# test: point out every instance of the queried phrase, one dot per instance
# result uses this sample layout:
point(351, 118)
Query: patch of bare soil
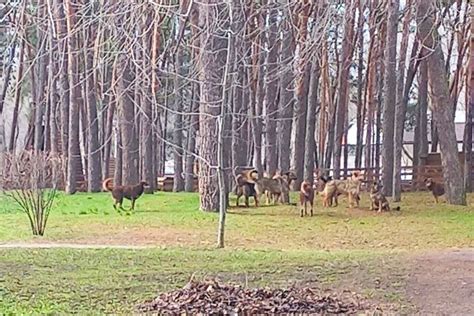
point(442, 283)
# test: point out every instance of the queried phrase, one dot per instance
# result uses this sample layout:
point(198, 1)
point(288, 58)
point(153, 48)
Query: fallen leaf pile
point(212, 297)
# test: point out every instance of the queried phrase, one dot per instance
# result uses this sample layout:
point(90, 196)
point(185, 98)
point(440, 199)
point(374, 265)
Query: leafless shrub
point(30, 179)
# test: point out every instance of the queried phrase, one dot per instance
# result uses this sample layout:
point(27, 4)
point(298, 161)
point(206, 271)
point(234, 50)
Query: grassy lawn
point(171, 220)
point(114, 281)
point(338, 248)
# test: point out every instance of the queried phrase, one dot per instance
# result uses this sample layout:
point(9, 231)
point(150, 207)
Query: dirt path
point(442, 283)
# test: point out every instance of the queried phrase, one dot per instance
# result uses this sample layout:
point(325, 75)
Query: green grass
point(114, 281)
point(339, 248)
point(169, 220)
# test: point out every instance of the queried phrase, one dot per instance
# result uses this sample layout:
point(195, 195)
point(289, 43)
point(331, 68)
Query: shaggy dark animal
point(436, 188)
point(245, 185)
point(129, 192)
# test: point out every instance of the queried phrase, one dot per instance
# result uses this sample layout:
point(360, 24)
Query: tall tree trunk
point(17, 98)
point(178, 152)
point(401, 105)
point(423, 104)
point(371, 105)
point(178, 183)
point(343, 91)
point(286, 98)
point(420, 141)
point(194, 119)
point(63, 67)
point(469, 113)
point(326, 137)
point(191, 145)
point(434, 136)
point(390, 95)
point(301, 93)
point(94, 171)
point(83, 128)
point(74, 156)
point(211, 63)
point(108, 134)
point(53, 103)
point(360, 86)
point(149, 168)
point(313, 103)
point(40, 100)
point(378, 122)
point(7, 74)
point(441, 104)
point(127, 124)
point(240, 119)
point(259, 56)
point(271, 90)
point(118, 174)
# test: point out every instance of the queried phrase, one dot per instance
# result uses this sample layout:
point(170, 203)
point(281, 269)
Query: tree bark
point(108, 130)
point(371, 105)
point(118, 175)
point(194, 119)
point(301, 94)
point(258, 60)
point(271, 90)
point(149, 168)
point(420, 141)
point(94, 170)
point(211, 64)
point(40, 100)
point(423, 103)
point(178, 183)
point(403, 86)
point(441, 104)
point(63, 76)
point(127, 124)
point(469, 113)
point(7, 74)
point(327, 112)
point(343, 91)
point(360, 86)
point(286, 103)
point(240, 120)
point(313, 104)
point(390, 96)
point(17, 98)
point(73, 132)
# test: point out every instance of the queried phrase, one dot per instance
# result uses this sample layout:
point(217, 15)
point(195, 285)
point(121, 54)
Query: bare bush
point(30, 179)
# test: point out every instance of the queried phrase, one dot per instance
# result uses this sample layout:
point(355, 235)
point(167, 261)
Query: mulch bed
point(212, 297)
